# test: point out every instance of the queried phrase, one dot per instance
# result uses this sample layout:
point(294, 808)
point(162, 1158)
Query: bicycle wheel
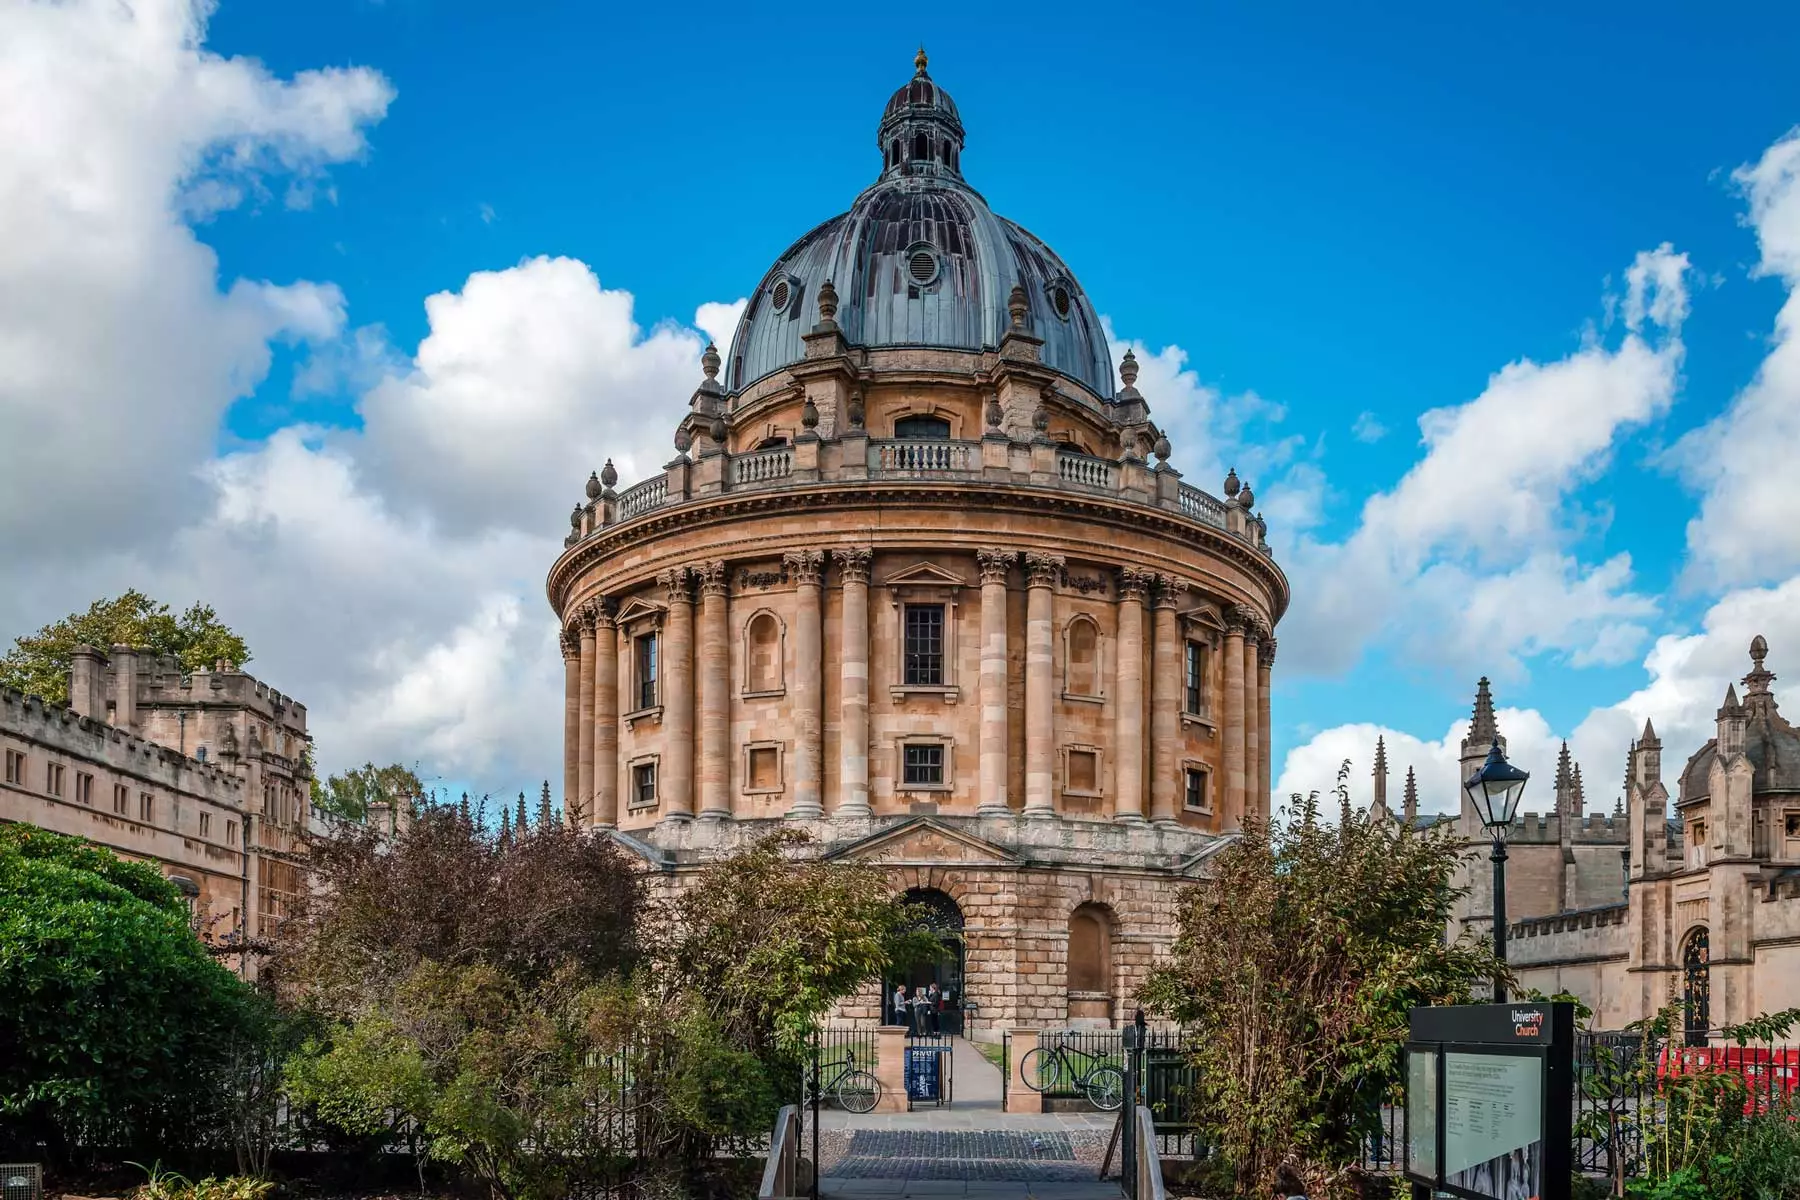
point(1105, 1088)
point(859, 1092)
point(1041, 1071)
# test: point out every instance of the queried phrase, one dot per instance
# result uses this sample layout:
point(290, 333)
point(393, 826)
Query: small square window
point(643, 785)
point(1793, 825)
point(923, 764)
point(1196, 797)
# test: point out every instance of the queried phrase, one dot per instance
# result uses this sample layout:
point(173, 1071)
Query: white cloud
point(1745, 531)
point(119, 353)
point(1368, 428)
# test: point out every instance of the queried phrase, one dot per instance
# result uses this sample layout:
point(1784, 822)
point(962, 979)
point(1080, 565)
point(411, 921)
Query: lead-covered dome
point(920, 260)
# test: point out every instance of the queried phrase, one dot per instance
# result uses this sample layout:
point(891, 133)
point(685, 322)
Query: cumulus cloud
point(119, 350)
point(1745, 531)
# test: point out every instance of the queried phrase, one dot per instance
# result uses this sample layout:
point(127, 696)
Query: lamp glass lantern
point(1494, 791)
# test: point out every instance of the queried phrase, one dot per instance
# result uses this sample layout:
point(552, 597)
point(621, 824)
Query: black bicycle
point(1057, 1067)
point(856, 1091)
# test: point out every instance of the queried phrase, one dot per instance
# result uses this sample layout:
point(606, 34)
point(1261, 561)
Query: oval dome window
point(922, 265)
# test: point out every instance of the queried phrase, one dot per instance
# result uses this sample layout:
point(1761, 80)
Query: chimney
point(87, 682)
point(125, 687)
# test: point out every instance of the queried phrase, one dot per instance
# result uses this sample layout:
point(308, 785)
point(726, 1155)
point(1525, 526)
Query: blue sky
point(1343, 219)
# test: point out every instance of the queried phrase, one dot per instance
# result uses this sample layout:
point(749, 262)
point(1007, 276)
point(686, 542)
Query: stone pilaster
point(571, 653)
point(677, 771)
point(994, 564)
point(713, 663)
point(1128, 702)
point(603, 810)
point(1040, 725)
point(1165, 702)
point(1236, 626)
point(584, 754)
point(807, 567)
point(853, 692)
point(1253, 736)
point(1265, 665)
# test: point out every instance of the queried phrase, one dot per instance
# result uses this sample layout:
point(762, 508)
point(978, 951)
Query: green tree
point(110, 1008)
point(1293, 972)
point(38, 663)
point(353, 793)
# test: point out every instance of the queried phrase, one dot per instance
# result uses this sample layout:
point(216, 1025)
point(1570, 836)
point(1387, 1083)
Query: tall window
point(15, 767)
point(646, 671)
point(53, 778)
point(928, 428)
point(84, 788)
point(922, 764)
point(924, 645)
point(1696, 998)
point(1193, 676)
point(146, 808)
point(1196, 790)
point(121, 799)
point(205, 825)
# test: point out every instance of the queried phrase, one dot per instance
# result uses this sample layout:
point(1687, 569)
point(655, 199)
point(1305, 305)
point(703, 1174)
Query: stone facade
point(931, 602)
point(201, 774)
point(1648, 906)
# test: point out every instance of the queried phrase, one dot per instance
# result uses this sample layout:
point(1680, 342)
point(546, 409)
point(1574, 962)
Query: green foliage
point(110, 1008)
point(1294, 970)
point(38, 663)
point(352, 794)
point(167, 1185)
point(717, 1088)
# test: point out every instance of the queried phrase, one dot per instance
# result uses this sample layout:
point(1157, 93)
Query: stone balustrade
point(861, 461)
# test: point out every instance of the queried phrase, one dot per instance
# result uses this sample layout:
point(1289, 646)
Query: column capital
point(1134, 584)
point(994, 563)
point(1266, 652)
point(595, 615)
point(713, 579)
point(1240, 621)
point(854, 562)
point(1169, 590)
point(808, 566)
point(676, 582)
point(1042, 569)
point(570, 640)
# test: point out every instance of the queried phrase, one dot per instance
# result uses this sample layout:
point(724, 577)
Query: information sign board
point(1488, 1096)
point(922, 1077)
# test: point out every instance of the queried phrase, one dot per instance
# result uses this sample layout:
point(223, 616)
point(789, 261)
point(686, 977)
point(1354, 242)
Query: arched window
point(1090, 950)
point(1083, 658)
point(763, 658)
point(922, 148)
point(1696, 988)
point(933, 428)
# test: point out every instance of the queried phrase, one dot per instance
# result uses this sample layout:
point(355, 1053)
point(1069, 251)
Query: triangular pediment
point(924, 574)
point(1207, 618)
point(924, 840)
point(638, 609)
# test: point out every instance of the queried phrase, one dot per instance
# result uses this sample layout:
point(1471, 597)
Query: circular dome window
point(782, 294)
point(922, 265)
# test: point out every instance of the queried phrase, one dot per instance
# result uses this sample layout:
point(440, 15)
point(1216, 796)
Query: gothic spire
point(1565, 776)
point(1482, 729)
point(1580, 806)
point(1379, 806)
point(1412, 797)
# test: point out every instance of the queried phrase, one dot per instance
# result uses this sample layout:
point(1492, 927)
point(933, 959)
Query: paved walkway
point(969, 1149)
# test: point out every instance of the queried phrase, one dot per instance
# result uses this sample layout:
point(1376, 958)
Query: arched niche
point(1081, 657)
point(765, 642)
point(1090, 965)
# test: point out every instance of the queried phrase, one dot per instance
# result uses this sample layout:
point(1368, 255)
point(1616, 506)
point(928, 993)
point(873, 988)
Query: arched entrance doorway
point(1696, 988)
point(944, 920)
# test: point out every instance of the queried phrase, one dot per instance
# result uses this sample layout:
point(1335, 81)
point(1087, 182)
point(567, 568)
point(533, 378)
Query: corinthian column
point(1040, 728)
point(994, 565)
point(807, 567)
point(571, 652)
point(853, 691)
point(603, 809)
point(1236, 625)
point(584, 755)
point(1165, 702)
point(1253, 735)
point(1265, 663)
point(677, 782)
point(1128, 703)
point(714, 661)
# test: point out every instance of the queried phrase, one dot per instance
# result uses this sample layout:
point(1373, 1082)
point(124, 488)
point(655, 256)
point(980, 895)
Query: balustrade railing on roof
point(924, 456)
point(1084, 469)
point(1200, 506)
point(642, 497)
point(761, 466)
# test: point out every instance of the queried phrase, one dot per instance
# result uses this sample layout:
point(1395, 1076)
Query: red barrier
point(1767, 1073)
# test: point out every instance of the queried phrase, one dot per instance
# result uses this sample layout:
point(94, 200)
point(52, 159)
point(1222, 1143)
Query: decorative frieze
point(761, 579)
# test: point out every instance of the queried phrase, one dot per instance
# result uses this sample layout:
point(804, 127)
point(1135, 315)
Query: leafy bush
point(167, 1185)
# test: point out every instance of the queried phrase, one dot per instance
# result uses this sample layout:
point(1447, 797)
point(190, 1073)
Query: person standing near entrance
point(902, 1015)
point(934, 1008)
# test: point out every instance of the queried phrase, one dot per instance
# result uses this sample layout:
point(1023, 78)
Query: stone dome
point(1771, 743)
point(921, 260)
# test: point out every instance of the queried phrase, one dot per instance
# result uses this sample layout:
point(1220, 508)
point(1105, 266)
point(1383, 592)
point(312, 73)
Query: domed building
point(920, 580)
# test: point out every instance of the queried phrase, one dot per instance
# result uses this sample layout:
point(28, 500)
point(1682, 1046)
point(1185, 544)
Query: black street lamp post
point(1494, 791)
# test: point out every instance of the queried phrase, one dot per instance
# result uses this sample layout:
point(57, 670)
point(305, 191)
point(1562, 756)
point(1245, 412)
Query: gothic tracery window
point(1696, 988)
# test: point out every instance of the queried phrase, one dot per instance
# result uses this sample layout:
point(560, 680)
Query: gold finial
point(919, 59)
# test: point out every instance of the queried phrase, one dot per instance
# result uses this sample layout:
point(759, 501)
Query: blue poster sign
point(922, 1081)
